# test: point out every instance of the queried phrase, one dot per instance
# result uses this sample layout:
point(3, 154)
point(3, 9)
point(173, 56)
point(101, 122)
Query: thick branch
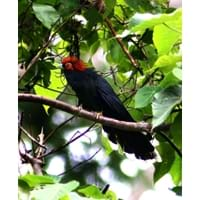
point(123, 125)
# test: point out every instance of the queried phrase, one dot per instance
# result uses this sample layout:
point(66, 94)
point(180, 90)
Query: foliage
point(49, 30)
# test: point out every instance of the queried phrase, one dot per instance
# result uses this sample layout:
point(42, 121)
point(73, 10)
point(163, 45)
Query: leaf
point(93, 17)
point(176, 170)
point(166, 63)
point(176, 130)
point(140, 5)
point(106, 144)
point(109, 6)
point(165, 36)
point(177, 190)
point(55, 191)
point(94, 47)
point(164, 101)
point(144, 96)
point(35, 180)
point(140, 22)
point(177, 72)
point(53, 89)
point(91, 191)
point(46, 14)
point(167, 154)
point(169, 80)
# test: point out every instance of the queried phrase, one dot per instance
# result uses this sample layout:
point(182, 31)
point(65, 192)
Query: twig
point(35, 162)
point(59, 126)
point(68, 143)
point(81, 163)
point(122, 125)
point(125, 50)
point(30, 137)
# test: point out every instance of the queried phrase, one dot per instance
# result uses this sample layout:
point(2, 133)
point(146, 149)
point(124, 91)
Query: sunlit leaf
point(106, 144)
point(54, 191)
point(35, 180)
point(91, 191)
point(166, 63)
point(147, 20)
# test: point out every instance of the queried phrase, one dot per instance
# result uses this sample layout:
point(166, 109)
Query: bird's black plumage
point(95, 94)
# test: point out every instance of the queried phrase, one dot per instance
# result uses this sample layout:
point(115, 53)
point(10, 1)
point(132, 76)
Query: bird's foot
point(98, 114)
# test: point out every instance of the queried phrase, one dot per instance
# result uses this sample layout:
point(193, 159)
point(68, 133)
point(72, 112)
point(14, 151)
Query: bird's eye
point(68, 66)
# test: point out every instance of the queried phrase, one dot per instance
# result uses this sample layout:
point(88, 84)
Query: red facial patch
point(73, 63)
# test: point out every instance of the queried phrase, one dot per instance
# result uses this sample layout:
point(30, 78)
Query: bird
point(96, 94)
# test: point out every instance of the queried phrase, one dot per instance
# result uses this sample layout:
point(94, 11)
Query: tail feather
point(136, 142)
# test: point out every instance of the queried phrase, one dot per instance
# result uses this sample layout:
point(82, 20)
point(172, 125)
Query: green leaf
point(164, 101)
point(91, 191)
point(167, 154)
point(109, 6)
point(144, 96)
point(165, 36)
point(106, 144)
point(93, 17)
point(176, 130)
point(140, 5)
point(94, 47)
point(166, 63)
point(55, 191)
point(53, 89)
point(177, 72)
point(169, 80)
point(147, 20)
point(46, 14)
point(176, 170)
point(35, 180)
point(177, 190)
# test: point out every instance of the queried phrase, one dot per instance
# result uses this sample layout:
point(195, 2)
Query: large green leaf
point(140, 22)
point(54, 191)
point(166, 63)
point(35, 180)
point(144, 96)
point(46, 14)
point(164, 101)
point(165, 36)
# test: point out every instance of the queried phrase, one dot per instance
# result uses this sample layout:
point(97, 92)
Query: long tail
point(132, 142)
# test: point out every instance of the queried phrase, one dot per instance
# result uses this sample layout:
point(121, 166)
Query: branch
point(125, 50)
point(80, 163)
point(123, 125)
point(68, 143)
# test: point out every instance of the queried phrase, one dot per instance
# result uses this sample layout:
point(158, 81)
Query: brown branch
point(125, 50)
point(30, 137)
point(123, 125)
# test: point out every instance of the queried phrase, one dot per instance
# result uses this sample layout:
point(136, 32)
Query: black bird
point(95, 94)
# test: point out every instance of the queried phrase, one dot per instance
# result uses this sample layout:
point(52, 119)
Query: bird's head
point(71, 63)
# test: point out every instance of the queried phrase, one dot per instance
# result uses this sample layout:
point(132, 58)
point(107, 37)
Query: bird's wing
point(113, 107)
